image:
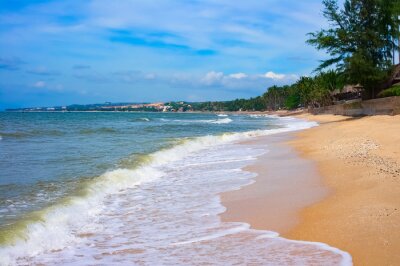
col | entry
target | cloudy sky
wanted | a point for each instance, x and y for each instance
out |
(72, 51)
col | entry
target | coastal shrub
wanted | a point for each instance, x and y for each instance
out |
(292, 101)
(393, 91)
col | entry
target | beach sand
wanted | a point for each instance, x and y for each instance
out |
(285, 185)
(350, 200)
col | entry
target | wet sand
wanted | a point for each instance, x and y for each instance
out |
(285, 184)
(343, 191)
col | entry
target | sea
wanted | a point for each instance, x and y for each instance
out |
(125, 188)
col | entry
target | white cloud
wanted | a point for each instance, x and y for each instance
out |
(212, 78)
(272, 75)
(47, 86)
(150, 76)
(243, 81)
(39, 84)
(255, 28)
(238, 75)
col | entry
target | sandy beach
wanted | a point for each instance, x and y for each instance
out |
(340, 185)
(286, 183)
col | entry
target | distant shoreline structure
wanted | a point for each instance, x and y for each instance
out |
(238, 105)
(112, 107)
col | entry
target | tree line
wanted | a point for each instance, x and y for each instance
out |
(307, 91)
(361, 43)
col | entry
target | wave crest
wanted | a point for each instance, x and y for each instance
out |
(61, 225)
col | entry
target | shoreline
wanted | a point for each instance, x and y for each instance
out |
(274, 200)
(360, 159)
(358, 162)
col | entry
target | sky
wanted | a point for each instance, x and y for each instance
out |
(75, 52)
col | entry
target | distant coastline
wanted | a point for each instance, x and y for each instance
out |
(174, 107)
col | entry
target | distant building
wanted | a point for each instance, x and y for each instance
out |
(158, 106)
(136, 106)
(349, 92)
(166, 108)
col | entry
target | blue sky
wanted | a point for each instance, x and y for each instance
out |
(72, 51)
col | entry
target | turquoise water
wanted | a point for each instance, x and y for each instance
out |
(137, 189)
(44, 156)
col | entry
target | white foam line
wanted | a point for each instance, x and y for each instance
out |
(60, 222)
(219, 162)
(214, 121)
(346, 257)
(235, 230)
(222, 121)
(346, 261)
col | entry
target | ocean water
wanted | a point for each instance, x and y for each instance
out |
(136, 189)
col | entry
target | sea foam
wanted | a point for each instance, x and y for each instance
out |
(222, 121)
(208, 121)
(163, 212)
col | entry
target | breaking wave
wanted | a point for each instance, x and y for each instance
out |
(208, 121)
(71, 221)
(141, 119)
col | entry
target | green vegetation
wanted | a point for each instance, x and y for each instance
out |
(392, 91)
(361, 40)
(253, 104)
(307, 91)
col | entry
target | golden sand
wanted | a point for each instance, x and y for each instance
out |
(359, 162)
(360, 159)
(285, 184)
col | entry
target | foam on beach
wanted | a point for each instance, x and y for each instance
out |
(207, 121)
(164, 211)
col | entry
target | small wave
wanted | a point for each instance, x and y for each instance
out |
(222, 121)
(257, 116)
(209, 121)
(222, 115)
(141, 119)
(63, 222)
(231, 231)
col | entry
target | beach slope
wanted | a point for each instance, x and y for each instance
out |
(359, 159)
